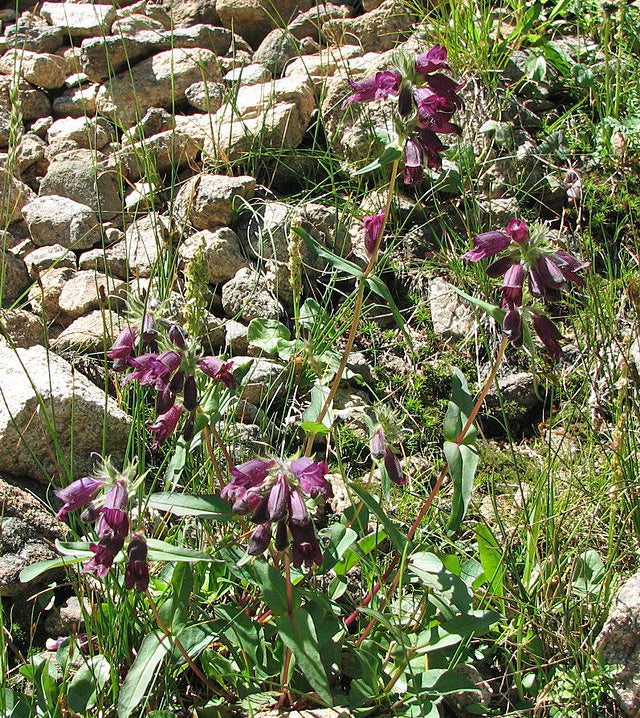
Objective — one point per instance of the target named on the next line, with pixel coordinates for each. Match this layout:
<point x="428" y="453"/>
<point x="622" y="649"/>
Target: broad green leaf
<point x="334" y="260"/>
<point x="319" y="394"/>
<point x="363" y="547"/>
<point x="79" y="549"/>
<point x="474" y="622"/>
<point x="298" y="633"/>
<point x="463" y="462"/>
<point x="582" y="75"/>
<point x="341" y="538"/>
<point x="491" y="309"/>
<point x="490" y="554"/>
<point x="312" y="313"/>
<point x="426" y="562"/>
<point x="589" y="572"/>
<point x="163" y="551"/>
<point x="17" y="705"/>
<point x="37" y="569"/>
<point x="178" y="462"/>
<point x="443" y="681"/>
<point x="203" y="506"/>
<point x="459" y="410"/>
<point x="87" y="683"/>
<point x="314" y="427"/>
<point x="397" y="538"/>
<point x="273" y="337"/>
<point x="448" y="591"/>
<point x="390" y="154"/>
<point x="536" y="67"/>
<point x="142" y="673"/>
<point x="274" y="588"/>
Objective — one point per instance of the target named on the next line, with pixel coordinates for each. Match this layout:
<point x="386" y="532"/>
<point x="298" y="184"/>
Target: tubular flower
<point x="372" y="228"/>
<point x="165" y="424"/>
<point x="216" y="369"/>
<point x="374" y="88"/>
<point x="77" y="494"/>
<point x="136" y="574"/>
<point x="273" y="492"/>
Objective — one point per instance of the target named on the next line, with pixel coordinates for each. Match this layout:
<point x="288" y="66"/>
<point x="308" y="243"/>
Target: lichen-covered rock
<point x="450" y="314"/>
<point x="85" y="132"/>
<point x="137" y="254"/>
<point x="206" y="96"/>
<point x="166" y="150"/>
<point x="21" y="328"/>
<point x="92" y="333"/>
<point x="207" y="201"/>
<point x="277" y="48"/>
<point x="184" y="13"/>
<point x="309" y="23"/>
<point x="31" y="32"/>
<point x="41" y="394"/>
<point x="253" y="19"/>
<point x="32" y="102"/>
<point x="221" y="250"/>
<point x="247" y="296"/>
<point x="44" y="295"/>
<point x="59" y="220"/>
<point x="16" y="277"/>
<point x="88" y="290"/>
<point x="39" y="68"/>
<point x="252" y="74"/>
<point x="265" y="379"/>
<point x="80" y="19"/>
<point x="42" y="258"/>
<point x="379" y="30"/>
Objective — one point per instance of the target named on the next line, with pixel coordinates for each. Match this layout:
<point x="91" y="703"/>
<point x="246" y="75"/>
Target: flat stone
<point x="379" y="30"/>
<point x="45" y="257"/>
<point x="59" y="220"/>
<point x="220" y="247"/>
<point x="452" y="318"/>
<point x="206" y="96"/>
<point x="265" y="379"/>
<point x="41" y="390"/>
<point x="86" y="132"/>
<point x="253" y="19"/>
<point x="144" y="242"/>
<point x="80" y="19"/>
<point x="40" y="69"/>
<point x="92" y="333"/>
<point x="207" y="201"/>
<point x="252" y="74"/>
<point x="31" y="32"/>
<point x="32" y="102"/>
<point x="166" y="150"/>
<point x="21" y="328"/>
<point x="88" y="290"/>
<point x="77" y="101"/>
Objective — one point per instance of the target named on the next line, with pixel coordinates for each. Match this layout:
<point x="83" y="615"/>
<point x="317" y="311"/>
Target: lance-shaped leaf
<point x="459" y="410"/>
<point x="463" y="462"/>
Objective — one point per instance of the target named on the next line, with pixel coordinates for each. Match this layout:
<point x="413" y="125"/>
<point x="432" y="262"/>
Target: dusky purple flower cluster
<point x="427" y="101"/>
<point x="381" y="451"/>
<point x="525" y="253"/>
<point x="112" y="525"/>
<point x="273" y="493"/>
<point x="171" y="372"/>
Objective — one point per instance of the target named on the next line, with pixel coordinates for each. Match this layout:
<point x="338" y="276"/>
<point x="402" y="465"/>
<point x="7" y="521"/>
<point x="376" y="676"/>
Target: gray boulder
<point x="248" y="297"/>
<point x="207" y="201"/>
<point x="221" y="249"/>
<point x="55" y="220"/>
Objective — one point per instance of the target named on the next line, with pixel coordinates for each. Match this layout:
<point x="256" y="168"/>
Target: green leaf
<point x="203" y="506"/>
<point x="273" y="586"/>
<point x="163" y="551"/>
<point x="397" y="538"/>
<point x="459" y="410"/>
<point x="448" y="591"/>
<point x="381" y="289"/>
<point x="443" y="681"/>
<point x="490" y="554"/>
<point x="318" y="396"/>
<point x="17" y="705"/>
<point x="491" y="309"/>
<point x="87" y="683"/>
<point x="463" y="462"/>
<point x="314" y="427"/>
<point x="363" y="547"/>
<point x="312" y="313"/>
<point x="582" y="75"/>
<point x="37" y="569"/>
<point x="390" y="154"/>
<point x="298" y="633"/>
<point x="273" y="337"/>
<point x="142" y="673"/>
<point x="334" y="260"/>
<point x="536" y="67"/>
<point x="79" y="549"/>
<point x="474" y="622"/>
<point x="589" y="572"/>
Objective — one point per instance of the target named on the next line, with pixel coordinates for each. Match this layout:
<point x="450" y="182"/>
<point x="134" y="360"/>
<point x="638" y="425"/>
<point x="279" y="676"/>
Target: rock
<point x="159" y="153"/>
<point x="450" y="314"/>
<point x="156" y="82"/>
<point x="155" y="121"/>
<point x="31" y="32"/>
<point x="16" y="277"/>
<point x="28" y="530"/>
<point x="189" y="12"/>
<point x="88" y="290"/>
<point x="277" y="48"/>
<point x="86" y="132"/>
<point x="236" y="337"/>
<point x="134" y="24"/>
<point x="32" y="103"/>
<point x="140" y="197"/>
<point x="207" y="201"/>
<point x="85" y="182"/>
<point x="251" y="74"/>
<point x="79" y="19"/>
<point x="21" y="328"/>
<point x="206" y="96"/>
<point x="59" y="220"/>
<point x="460" y="701"/>
<point x="30" y="151"/>
<point x="44" y="257"/>
<point x="321" y="65"/>
<point x="518" y="397"/>
<point x="379" y="30"/>
<point x="41" y="390"/>
<point x="309" y="23"/>
<point x="93" y="333"/>
<point x="40" y="69"/>
<point x="103" y="57"/>
<point x="66" y="619"/>
<point x="253" y="19"/>
<point x="144" y="241"/>
<point x="619" y="644"/>
<point x="222" y="251"/>
<point x="77" y="101"/>
<point x="45" y="294"/>
<point x="15" y="195"/>
<point x="247" y="296"/>
<point x="265" y="379"/>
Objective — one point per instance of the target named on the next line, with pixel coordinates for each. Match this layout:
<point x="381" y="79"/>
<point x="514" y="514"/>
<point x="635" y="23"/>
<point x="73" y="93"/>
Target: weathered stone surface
<point x="30" y="151"/>
<point x="156" y="82"/>
<point x="206" y="96"/>
<point x="66" y="619"/>
<point x="309" y="23"/>
<point x="132" y="25"/>
<point x="264" y="380"/>
<point x="377" y="31"/>
<point x="236" y="337"/>
<point x="22" y="328"/>
<point x="619" y="644"/>
<point x="32" y="103"/>
<point x="77" y="101"/>
<point x="323" y="64"/>
<point x="80" y="19"/>
<point x="253" y="19"/>
<point x="14" y="196"/>
<point x="138" y="252"/>
<point x="40" y="69"/>
<point x="85" y="132"/>
<point x="16" y="278"/>
<point x="41" y="390"/>
<point x="31" y="32"/>
<point x="221" y="249"/>
<point x="451" y="316"/>
<point x="59" y="220"/>
<point x="207" y="201"/>
<point x="247" y="296"/>
<point x="93" y="333"/>
<point x="189" y="12"/>
<point x="102" y="57"/>
<point x="27" y="530"/>
<point x="167" y="150"/>
<point x="155" y="121"/>
<point x="85" y="182"/>
<point x="44" y="257"/>
<point x="45" y="294"/>
<point x="252" y="74"/>
<point x="277" y="48"/>
<point x="88" y="290"/>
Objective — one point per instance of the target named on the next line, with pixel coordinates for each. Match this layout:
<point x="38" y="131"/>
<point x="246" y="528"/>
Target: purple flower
<point x="512" y="327"/>
<point x="512" y="286"/>
<point x="548" y="333"/>
<point x="372" y="228"/>
<point x="378" y="443"/>
<point x="487" y="244"/>
<point x="298" y="513"/>
<point x="569" y="266"/>
<point x="154" y="369"/>
<point x="305" y="548"/>
<point x="373" y="88"/>
<point x="217" y="369"/>
<point x="432" y="61"/>
<point x="259" y="540"/>
<point x="149" y="331"/>
<point x="311" y="475"/>
<point x="393" y="468"/>
<point x="165" y="424"/>
<point x="112" y="528"/>
<point x="245" y="489"/>
<point x="178" y="336"/>
<point x="518" y="231"/>
<point x="77" y="494"/>
<point x="190" y="394"/>
<point x="122" y="348"/>
<point x="278" y="499"/>
<point x="136" y="574"/>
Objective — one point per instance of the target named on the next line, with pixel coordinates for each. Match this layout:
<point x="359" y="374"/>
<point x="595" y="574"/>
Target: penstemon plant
<point x="286" y="628"/>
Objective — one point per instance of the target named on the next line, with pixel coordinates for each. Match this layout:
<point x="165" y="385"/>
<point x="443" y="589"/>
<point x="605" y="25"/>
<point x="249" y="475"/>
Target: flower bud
<point x="298" y="513"/>
<point x="190" y="393"/>
<point x="378" y="443"/>
<point x="282" y="537"/>
<point x="277" y="501"/>
<point x="178" y="336"/>
<point x="259" y="540"/>
<point x="393" y="468"/>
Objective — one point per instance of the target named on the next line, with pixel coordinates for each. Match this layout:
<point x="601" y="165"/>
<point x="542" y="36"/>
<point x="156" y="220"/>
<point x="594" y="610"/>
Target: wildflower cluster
<point x="171" y="372"/>
<point x="525" y="253"/>
<point x="105" y="500"/>
<point x="427" y="100"/>
<point x="273" y="493"/>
